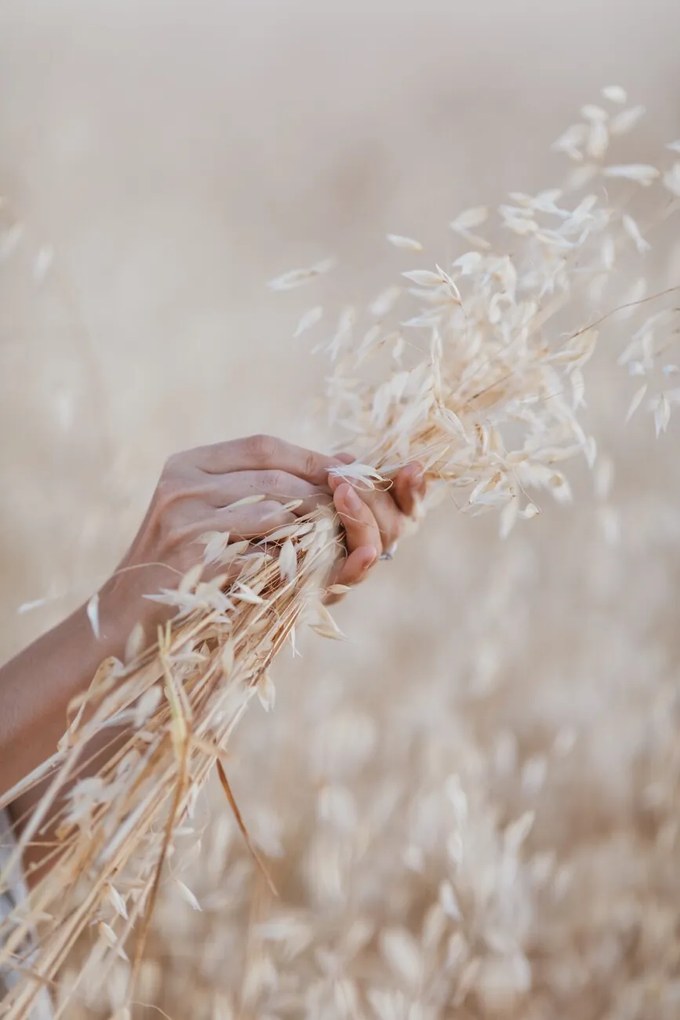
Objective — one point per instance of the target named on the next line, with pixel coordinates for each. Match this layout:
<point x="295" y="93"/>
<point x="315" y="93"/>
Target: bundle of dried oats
<point x="476" y="369"/>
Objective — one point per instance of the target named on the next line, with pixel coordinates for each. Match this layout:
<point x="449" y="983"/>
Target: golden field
<point x="175" y="157"/>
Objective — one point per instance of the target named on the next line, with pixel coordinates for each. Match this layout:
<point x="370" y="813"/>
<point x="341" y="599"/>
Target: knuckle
<point x="185" y="555"/>
<point x="175" y="537"/>
<point x="168" y="492"/>
<point x="312" y="465"/>
<point x="261" y="447"/>
<point x="272" y="481"/>
<point x="209" y="458"/>
<point x="175" y="463"/>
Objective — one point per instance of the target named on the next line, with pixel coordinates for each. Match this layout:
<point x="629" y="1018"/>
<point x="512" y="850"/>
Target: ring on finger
<point x="389" y="553"/>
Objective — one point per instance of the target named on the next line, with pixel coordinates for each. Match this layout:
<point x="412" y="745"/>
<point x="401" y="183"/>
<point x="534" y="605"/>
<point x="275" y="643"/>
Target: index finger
<point x="265" y="453"/>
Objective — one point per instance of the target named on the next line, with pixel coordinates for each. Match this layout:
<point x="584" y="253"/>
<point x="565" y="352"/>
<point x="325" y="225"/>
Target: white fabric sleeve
<point x="10" y="897"/>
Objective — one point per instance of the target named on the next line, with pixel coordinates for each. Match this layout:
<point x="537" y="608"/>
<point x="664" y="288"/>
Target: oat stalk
<point x="474" y="368"/>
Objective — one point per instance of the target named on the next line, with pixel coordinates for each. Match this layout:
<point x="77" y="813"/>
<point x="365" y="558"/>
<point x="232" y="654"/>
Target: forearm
<point x="36" y="688"/>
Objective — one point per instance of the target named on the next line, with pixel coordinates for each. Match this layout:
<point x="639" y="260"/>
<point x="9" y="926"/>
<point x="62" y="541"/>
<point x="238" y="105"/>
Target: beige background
<point x="177" y="156"/>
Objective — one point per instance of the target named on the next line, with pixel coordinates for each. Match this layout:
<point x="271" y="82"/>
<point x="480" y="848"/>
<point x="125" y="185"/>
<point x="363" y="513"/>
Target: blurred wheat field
<point x="176" y="157"/>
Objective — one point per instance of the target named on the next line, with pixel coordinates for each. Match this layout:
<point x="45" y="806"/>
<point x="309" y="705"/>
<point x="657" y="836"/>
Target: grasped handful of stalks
<point x="482" y="383"/>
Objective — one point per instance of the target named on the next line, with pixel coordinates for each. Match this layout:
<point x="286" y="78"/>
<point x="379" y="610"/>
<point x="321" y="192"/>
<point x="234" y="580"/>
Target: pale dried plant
<point x="476" y="369"/>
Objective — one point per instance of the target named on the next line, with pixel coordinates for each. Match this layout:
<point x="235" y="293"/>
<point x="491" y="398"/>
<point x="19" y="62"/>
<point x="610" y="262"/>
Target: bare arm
<point x="195" y="494"/>
<point x="37" y="686"/>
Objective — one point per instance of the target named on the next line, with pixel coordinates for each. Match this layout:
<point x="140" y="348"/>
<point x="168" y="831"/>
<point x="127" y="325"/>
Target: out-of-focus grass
<point x="177" y="157"/>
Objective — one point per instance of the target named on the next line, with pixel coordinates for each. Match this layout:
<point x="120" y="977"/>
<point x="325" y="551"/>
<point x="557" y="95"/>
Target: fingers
<point x="256" y="520"/>
<point x="387" y="515"/>
<point x="402" y="498"/>
<point x="383" y="509"/>
<point x="280" y="486"/>
<point x="353" y="569"/>
<point x="409" y="488"/>
<point x="361" y="527"/>
<point x="201" y="491"/>
<point x="382" y="512"/>
<point x="264" y="453"/>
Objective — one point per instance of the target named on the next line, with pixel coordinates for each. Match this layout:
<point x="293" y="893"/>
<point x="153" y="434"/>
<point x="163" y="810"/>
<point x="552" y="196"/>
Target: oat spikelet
<point x="481" y="378"/>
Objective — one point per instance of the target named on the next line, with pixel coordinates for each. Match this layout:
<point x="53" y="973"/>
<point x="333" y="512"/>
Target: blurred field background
<point x="170" y="158"/>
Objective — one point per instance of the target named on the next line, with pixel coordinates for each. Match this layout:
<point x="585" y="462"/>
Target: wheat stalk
<point x="482" y="382"/>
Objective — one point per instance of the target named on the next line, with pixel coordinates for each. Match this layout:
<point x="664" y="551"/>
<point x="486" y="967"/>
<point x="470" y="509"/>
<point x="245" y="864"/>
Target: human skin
<point x="196" y="493"/>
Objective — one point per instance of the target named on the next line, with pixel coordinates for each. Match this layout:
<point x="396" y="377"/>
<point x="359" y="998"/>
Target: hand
<point x="373" y="519"/>
<point x="197" y="493"/>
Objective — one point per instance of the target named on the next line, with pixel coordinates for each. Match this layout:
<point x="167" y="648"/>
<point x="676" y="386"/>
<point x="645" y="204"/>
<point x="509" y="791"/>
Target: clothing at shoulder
<point x="10" y="896"/>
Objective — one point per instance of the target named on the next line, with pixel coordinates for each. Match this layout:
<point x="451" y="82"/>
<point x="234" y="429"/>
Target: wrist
<point x="122" y="605"/>
<point x="114" y="612"/>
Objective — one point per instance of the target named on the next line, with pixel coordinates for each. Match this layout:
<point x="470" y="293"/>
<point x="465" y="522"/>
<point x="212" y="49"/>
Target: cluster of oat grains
<point x="475" y="367"/>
